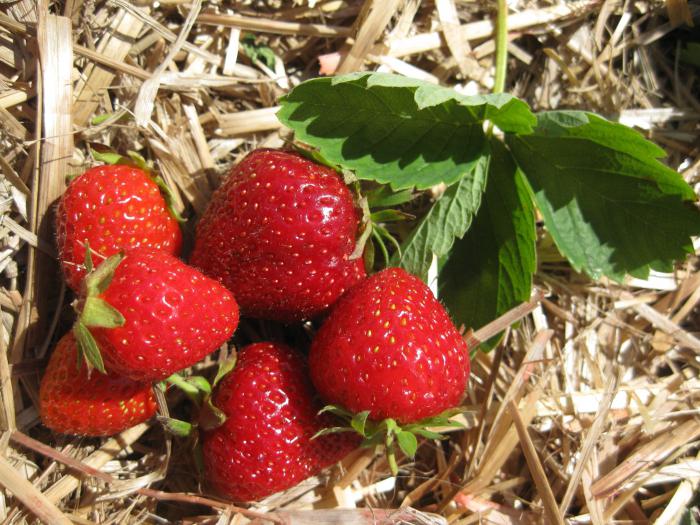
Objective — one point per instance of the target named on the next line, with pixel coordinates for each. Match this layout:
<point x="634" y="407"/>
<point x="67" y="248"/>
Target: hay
<point x="585" y="414"/>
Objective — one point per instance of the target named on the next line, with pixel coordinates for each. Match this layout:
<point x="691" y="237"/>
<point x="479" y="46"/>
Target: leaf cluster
<point x="611" y="207"/>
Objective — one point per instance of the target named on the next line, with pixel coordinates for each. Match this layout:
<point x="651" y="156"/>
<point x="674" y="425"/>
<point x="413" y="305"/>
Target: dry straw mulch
<point x="587" y="413"/>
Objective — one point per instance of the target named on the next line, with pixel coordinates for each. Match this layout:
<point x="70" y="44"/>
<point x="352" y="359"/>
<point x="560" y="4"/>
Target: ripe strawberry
<point x="388" y="346"/>
<point x="278" y="234"/>
<point x="73" y="402"/>
<point x="153" y="315"/>
<point x="265" y="444"/>
<point x="112" y="208"/>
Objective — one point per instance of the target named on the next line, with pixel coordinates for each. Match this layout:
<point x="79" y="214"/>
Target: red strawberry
<point x="278" y="234"/>
<point x="112" y="208"/>
<point x="168" y="315"/>
<point x="265" y="444"/>
<point x="73" y="402"/>
<point x="388" y="346"/>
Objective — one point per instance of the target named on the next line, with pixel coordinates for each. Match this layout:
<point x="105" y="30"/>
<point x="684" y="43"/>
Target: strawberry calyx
<point x="133" y="159"/>
<point x="93" y="311"/>
<point x="388" y="432"/>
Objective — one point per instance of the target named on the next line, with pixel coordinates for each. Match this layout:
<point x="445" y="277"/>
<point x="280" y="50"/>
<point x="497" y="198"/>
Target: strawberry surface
<point x="112" y="208"/>
<point x="265" y="444"/>
<point x="388" y="346"/>
<point x="173" y="316"/>
<point x="279" y="233"/>
<point x="73" y="402"/>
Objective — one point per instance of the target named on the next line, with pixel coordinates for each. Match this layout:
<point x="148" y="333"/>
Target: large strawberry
<point x="265" y="445"/>
<point x="152" y="315"/>
<point x="390" y="348"/>
<point x="111" y="208"/>
<point x="71" y="401"/>
<point x="279" y="234"/>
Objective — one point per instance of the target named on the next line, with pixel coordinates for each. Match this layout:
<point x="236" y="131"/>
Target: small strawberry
<point x="111" y="208"/>
<point x="390" y="348"/>
<point x="152" y="315"/>
<point x="71" y="401"/>
<point x="279" y="234"/>
<point x="265" y="445"/>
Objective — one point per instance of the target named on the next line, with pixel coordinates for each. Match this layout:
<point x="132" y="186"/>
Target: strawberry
<point x="390" y="348"/>
<point x="152" y="315"/>
<point x="265" y="445"/>
<point x="111" y="208"/>
<point x="279" y="234"/>
<point x="72" y="401"/>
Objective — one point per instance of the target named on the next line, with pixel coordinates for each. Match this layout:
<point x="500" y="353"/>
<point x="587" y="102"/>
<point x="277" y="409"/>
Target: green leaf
<point x="447" y="219"/>
<point x="256" y="51"/>
<point x="611" y="207"/>
<point x="88" y="347"/>
<point x="490" y="270"/>
<point x="359" y="421"/>
<point x="381" y="132"/>
<point x="108" y="157"/>
<point x="407" y="443"/>
<point x="504" y="110"/>
<point x="98" y="312"/>
<point x="200" y="383"/>
<point x="427" y="433"/>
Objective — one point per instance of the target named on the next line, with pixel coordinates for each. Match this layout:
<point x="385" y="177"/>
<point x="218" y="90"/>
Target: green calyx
<point x="108" y="156"/>
<point x="388" y="432"/>
<point x="93" y="311"/>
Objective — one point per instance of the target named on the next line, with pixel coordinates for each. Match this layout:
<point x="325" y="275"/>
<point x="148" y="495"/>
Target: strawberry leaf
<point x="374" y="125"/>
<point x="611" y="207"/>
<point x="490" y="270"/>
<point x="447" y="219"/>
<point x="384" y="197"/>
<point x="330" y="430"/>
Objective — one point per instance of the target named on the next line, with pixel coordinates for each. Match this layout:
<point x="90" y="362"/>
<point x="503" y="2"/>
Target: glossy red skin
<point x="279" y="233"/>
<point x="388" y="346"/>
<point x="174" y="316"/>
<point x="70" y="402"/>
<point x="265" y="444"/>
<point x="112" y="208"/>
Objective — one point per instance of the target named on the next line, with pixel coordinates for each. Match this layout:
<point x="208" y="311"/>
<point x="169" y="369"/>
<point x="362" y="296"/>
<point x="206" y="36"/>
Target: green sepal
<point x="169" y="197"/>
<point x="336" y="410"/>
<point x="384" y="197"/>
<point x="388" y="432"/>
<point x="359" y="421"/>
<point x="87" y="347"/>
<point x="391" y="216"/>
<point x="98" y="312"/>
<point x="210" y="416"/>
<point x="225" y="367"/>
<point x="331" y="430"/>
<point x="135" y="160"/>
<point x="176" y="427"/>
<point x="98" y="280"/>
<point x="89" y="265"/>
<point x="366" y="226"/>
<point x="407" y="442"/>
<point x="200" y="383"/>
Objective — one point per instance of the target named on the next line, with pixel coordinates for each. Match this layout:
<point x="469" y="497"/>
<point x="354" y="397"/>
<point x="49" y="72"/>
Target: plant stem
<point x="501" y="47"/>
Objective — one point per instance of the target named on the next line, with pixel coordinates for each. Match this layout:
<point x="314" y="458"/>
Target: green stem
<point x="501" y="47"/>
